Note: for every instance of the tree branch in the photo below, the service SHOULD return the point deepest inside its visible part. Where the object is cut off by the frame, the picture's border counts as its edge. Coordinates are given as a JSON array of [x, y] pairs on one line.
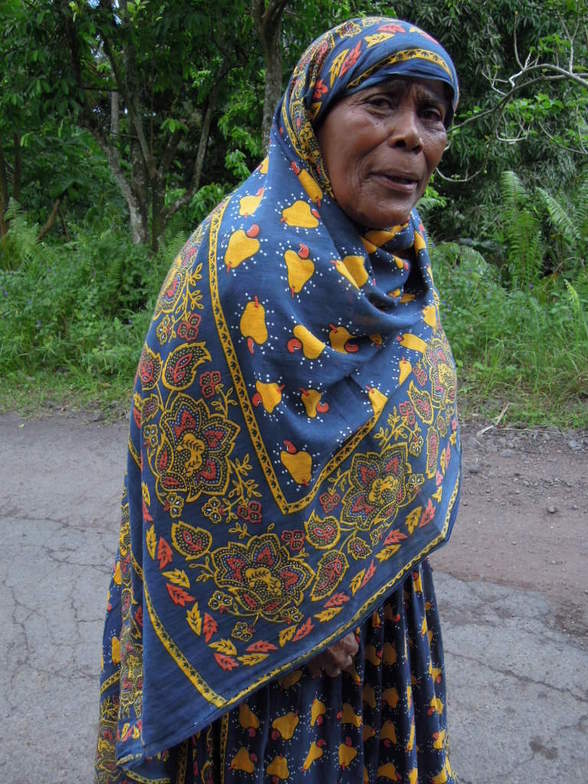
[[50, 222], [530, 72], [169, 153], [127, 87], [198, 161]]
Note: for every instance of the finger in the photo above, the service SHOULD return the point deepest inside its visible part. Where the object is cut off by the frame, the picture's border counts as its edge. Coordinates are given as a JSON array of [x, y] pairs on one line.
[[336, 656], [348, 644], [332, 670], [346, 663]]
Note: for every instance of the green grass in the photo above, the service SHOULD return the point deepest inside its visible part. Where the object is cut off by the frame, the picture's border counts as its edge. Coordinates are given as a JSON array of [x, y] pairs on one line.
[[73, 318], [524, 350], [47, 392]]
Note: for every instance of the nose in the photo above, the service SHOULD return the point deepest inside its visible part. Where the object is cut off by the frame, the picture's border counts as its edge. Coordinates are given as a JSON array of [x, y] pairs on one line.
[[405, 131]]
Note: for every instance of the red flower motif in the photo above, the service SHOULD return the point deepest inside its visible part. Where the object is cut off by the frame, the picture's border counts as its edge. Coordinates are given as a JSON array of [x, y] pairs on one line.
[[407, 412], [380, 485], [320, 90], [351, 59], [391, 28], [251, 512], [420, 374], [263, 577], [188, 328], [329, 501], [209, 383], [294, 540], [194, 458]]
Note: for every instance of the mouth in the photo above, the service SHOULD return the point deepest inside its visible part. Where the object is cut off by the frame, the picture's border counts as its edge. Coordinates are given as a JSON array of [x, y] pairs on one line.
[[400, 178], [400, 182]]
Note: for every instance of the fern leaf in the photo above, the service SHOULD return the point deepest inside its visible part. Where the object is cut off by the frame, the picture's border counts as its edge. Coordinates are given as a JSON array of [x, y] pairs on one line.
[[559, 217], [582, 208], [512, 189]]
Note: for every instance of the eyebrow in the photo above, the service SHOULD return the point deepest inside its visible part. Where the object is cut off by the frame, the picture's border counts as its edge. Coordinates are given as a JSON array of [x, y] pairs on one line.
[[423, 90]]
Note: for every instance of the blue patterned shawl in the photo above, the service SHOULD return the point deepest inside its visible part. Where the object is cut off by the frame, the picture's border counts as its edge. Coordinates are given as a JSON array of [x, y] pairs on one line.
[[294, 445]]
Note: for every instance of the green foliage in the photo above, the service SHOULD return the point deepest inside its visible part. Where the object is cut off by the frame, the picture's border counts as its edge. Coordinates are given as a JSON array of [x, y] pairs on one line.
[[74, 309], [524, 348], [431, 200], [84, 305], [542, 233], [20, 241], [567, 216], [521, 233], [205, 200]]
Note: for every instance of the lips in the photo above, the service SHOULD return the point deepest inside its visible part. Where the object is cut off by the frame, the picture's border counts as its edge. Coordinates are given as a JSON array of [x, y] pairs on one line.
[[403, 178], [403, 182]]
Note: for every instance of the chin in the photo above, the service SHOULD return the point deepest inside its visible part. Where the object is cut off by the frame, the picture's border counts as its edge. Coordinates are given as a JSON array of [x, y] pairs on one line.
[[387, 218], [393, 220]]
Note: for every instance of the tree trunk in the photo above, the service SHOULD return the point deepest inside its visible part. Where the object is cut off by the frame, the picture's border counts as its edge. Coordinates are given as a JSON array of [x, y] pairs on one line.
[[198, 162], [139, 186], [157, 217], [137, 219], [17, 178], [63, 224], [114, 114], [273, 80], [268, 22]]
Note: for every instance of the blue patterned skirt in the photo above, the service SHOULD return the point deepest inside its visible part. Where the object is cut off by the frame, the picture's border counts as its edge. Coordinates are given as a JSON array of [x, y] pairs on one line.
[[385, 722]]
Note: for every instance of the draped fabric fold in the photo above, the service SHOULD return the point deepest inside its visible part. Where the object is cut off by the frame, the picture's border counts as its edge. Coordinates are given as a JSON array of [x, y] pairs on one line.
[[294, 446]]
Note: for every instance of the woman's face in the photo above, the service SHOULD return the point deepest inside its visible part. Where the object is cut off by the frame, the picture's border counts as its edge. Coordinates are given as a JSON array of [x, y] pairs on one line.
[[380, 147]]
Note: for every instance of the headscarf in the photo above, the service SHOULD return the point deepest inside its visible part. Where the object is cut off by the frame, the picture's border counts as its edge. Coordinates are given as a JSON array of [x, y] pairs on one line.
[[294, 445]]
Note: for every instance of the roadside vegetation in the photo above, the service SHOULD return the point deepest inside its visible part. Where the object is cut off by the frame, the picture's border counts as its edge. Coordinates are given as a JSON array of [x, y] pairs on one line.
[[96, 199]]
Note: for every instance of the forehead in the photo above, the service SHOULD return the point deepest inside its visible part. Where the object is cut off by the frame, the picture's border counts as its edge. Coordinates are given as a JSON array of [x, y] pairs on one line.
[[422, 88]]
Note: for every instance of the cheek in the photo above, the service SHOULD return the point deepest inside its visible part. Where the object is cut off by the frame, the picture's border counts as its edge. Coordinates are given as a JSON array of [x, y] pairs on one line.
[[435, 149], [342, 176], [344, 183]]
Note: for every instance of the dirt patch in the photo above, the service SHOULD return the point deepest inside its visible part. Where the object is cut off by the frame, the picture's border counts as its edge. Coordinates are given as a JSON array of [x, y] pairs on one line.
[[523, 516]]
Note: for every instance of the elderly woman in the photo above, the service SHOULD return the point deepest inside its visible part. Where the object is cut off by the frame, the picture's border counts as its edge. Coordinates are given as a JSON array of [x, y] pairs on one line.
[[294, 454]]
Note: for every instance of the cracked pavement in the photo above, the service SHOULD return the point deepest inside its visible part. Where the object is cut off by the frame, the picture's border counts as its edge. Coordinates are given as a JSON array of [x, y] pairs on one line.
[[516, 654]]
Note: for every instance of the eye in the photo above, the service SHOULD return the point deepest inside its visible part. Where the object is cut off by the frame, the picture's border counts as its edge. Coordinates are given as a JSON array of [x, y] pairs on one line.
[[433, 113], [381, 101]]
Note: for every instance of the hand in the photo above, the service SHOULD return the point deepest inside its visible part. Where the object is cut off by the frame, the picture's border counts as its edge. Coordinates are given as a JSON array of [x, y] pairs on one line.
[[336, 659]]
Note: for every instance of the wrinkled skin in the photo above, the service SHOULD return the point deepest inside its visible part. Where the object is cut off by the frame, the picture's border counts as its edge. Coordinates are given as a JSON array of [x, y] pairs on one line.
[[380, 147]]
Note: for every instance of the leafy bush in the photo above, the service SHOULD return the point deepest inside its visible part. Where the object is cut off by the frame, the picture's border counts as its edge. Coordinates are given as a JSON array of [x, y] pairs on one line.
[[541, 233], [78, 312], [85, 304], [20, 240], [527, 348]]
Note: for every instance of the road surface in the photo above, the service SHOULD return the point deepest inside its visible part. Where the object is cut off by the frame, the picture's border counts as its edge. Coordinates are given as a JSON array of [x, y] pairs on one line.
[[512, 586]]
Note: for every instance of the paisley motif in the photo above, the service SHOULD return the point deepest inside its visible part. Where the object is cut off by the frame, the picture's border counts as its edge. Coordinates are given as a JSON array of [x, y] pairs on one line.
[[322, 534], [172, 289], [149, 370], [189, 541], [262, 576], [331, 570], [180, 367], [421, 400]]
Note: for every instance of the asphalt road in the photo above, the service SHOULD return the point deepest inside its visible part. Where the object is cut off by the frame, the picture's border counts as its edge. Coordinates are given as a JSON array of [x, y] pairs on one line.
[[517, 664]]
